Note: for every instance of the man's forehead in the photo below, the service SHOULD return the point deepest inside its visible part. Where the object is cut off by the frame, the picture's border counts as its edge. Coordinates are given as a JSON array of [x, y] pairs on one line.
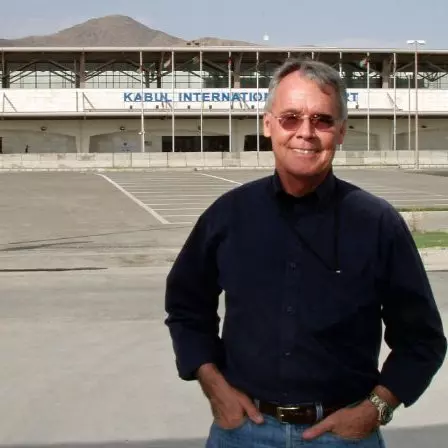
[[298, 89], [298, 81]]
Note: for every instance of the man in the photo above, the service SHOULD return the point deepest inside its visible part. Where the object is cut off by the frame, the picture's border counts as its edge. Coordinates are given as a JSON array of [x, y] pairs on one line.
[[311, 267]]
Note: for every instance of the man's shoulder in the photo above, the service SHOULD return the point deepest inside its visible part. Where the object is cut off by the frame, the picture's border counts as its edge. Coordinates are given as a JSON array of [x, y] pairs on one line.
[[253, 186], [363, 201], [242, 191], [245, 193]]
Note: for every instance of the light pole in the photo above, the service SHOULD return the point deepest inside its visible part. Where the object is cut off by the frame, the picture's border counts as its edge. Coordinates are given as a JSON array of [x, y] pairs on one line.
[[142, 110], [416, 43]]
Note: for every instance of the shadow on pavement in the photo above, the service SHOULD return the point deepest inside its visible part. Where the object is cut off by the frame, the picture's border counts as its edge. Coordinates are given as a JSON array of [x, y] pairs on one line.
[[418, 437]]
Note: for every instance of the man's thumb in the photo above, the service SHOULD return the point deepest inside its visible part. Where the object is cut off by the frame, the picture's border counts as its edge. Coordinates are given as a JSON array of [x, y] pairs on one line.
[[251, 410]]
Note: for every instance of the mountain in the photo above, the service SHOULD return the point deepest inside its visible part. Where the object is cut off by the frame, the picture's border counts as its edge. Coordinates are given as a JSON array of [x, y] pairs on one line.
[[109, 31], [217, 42], [112, 31]]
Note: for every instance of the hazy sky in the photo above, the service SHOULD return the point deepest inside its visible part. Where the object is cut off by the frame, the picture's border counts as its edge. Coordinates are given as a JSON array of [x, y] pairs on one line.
[[347, 23]]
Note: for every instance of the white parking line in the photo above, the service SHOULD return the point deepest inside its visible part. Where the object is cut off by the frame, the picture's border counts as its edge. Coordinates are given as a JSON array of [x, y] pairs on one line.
[[167, 196], [438, 201], [183, 208], [137, 201], [175, 190], [386, 189], [412, 190], [174, 203], [173, 200], [170, 185], [156, 179], [182, 222], [416, 196], [183, 216], [221, 178]]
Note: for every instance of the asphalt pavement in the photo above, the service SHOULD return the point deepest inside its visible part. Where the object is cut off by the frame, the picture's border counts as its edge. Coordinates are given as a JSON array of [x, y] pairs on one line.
[[86, 358]]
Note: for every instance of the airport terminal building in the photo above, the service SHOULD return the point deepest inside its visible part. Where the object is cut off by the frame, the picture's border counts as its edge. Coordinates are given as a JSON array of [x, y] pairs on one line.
[[207, 99]]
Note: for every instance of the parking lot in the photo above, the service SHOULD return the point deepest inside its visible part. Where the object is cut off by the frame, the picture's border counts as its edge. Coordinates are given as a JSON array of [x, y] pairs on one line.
[[86, 359], [180, 197]]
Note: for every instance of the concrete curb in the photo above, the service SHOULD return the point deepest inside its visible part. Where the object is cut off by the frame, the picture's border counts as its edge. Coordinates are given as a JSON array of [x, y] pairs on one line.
[[435, 259], [426, 221], [236, 159]]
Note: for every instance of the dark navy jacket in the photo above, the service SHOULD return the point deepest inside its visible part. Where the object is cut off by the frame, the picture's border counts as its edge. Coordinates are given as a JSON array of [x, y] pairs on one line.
[[308, 282]]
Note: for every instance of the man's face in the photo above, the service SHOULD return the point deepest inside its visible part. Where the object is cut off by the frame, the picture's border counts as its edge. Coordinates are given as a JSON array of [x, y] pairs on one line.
[[304, 147]]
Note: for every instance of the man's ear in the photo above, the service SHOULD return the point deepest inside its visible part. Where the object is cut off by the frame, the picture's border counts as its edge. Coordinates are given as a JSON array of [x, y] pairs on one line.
[[267, 123], [341, 133]]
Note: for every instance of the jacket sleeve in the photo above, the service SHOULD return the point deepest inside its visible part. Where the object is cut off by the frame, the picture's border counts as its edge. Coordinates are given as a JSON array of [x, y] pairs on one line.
[[413, 326], [191, 301]]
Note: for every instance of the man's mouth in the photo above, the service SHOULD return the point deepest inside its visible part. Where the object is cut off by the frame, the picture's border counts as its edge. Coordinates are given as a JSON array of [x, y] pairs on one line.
[[306, 151]]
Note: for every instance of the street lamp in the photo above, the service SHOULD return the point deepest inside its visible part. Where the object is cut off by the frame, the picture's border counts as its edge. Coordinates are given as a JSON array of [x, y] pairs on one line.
[[416, 43]]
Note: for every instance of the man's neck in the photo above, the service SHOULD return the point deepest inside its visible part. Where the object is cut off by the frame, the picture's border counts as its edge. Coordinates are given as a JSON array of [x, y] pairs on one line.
[[303, 185]]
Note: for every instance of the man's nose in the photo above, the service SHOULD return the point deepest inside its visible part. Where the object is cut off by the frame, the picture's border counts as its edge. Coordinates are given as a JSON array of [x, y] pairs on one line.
[[305, 129]]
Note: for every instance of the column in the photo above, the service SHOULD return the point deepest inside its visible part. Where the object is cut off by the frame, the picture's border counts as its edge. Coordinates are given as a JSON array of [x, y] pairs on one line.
[[80, 71], [6, 78], [385, 74], [237, 72], [385, 135], [82, 139], [237, 135]]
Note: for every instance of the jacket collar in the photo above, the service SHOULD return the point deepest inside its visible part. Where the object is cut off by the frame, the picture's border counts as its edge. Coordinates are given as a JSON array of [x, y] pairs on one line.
[[321, 195]]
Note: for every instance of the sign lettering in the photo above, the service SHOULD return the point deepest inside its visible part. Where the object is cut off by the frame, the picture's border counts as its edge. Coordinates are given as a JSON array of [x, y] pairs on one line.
[[195, 96]]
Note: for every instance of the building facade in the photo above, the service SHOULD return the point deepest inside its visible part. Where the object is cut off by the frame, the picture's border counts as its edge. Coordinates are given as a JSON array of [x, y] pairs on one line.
[[207, 99]]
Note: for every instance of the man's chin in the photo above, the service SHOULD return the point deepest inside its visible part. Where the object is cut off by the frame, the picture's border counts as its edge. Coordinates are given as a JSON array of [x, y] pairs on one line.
[[307, 171], [304, 167]]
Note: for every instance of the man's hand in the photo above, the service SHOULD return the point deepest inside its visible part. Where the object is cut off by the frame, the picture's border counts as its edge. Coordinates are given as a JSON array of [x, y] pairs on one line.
[[349, 423], [229, 405]]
